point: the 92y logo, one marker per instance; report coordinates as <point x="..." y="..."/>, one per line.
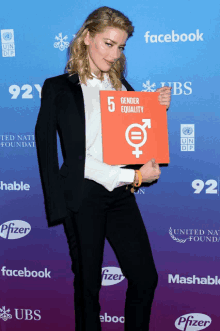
<point x="211" y="186"/>
<point x="15" y="90"/>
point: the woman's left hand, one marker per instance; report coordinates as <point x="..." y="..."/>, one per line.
<point x="165" y="96"/>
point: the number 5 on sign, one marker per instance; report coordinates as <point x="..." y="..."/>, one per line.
<point x="111" y="104"/>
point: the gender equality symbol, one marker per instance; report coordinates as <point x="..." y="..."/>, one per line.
<point x="137" y="135"/>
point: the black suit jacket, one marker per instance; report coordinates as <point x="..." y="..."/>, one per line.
<point x="62" y="111"/>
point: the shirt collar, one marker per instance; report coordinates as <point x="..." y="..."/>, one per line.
<point x="97" y="82"/>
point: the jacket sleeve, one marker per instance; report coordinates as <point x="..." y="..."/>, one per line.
<point x="46" y="142"/>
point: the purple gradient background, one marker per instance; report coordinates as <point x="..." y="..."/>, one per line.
<point x="170" y="203"/>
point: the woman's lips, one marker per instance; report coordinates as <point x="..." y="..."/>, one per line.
<point x="110" y="63"/>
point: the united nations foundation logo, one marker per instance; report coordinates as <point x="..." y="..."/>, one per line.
<point x="17" y="140"/>
<point x="4" y="314"/>
<point x="197" y="235"/>
<point x="182" y="241"/>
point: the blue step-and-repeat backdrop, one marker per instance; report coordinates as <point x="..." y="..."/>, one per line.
<point x="175" y="43"/>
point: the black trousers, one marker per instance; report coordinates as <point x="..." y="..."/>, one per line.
<point x="115" y="216"/>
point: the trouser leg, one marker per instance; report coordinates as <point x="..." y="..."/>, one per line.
<point x="90" y="232"/>
<point x="127" y="235"/>
<point x="115" y="215"/>
<point x="72" y="239"/>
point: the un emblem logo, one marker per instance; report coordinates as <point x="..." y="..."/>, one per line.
<point x="7" y="36"/>
<point x="187" y="130"/>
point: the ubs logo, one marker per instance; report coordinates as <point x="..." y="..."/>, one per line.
<point x="61" y="42"/>
<point x="15" y="229"/>
<point x="178" y="88"/>
<point x="20" y="314"/>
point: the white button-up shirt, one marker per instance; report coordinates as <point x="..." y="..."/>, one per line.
<point x="107" y="175"/>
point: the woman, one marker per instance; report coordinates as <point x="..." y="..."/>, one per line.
<point x="92" y="199"/>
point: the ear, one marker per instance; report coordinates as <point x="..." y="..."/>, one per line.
<point x="87" y="38"/>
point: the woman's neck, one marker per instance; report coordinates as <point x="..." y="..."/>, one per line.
<point x="97" y="75"/>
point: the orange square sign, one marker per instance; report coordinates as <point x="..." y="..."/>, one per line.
<point x="134" y="128"/>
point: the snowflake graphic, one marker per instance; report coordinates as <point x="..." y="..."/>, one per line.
<point x="61" y="43"/>
<point x="4" y="314"/>
<point x="148" y="87"/>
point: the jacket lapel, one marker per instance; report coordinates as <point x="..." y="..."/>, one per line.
<point x="126" y="84"/>
<point x="77" y="94"/>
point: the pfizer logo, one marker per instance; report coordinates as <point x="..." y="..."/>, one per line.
<point x="15" y="229"/>
<point x="111" y="276"/>
<point x="187" y="130"/>
<point x="193" y="322"/>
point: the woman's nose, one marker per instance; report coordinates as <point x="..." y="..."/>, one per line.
<point x="115" y="54"/>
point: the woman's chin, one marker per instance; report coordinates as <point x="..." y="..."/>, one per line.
<point x="106" y="69"/>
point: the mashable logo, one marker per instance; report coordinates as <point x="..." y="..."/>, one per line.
<point x="14" y="186"/>
<point x="193" y="280"/>
<point x="15" y="229"/>
<point x="173" y="37"/>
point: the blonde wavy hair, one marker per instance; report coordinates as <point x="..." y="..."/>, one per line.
<point x="96" y="22"/>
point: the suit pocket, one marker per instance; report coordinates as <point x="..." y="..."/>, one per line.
<point x="64" y="171"/>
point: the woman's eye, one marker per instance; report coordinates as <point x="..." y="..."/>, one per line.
<point x="121" y="48"/>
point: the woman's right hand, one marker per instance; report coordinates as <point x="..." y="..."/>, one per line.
<point x="150" y="171"/>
